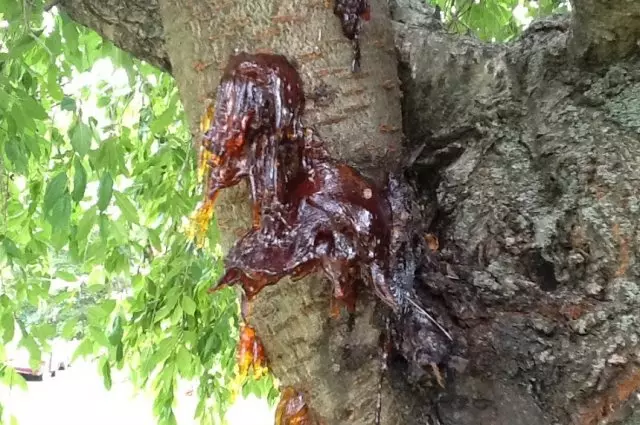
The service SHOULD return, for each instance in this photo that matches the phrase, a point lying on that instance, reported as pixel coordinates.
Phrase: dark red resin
(351, 14)
(310, 211)
(313, 213)
(293, 409)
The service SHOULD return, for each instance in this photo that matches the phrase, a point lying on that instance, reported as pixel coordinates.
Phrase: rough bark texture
(604, 31)
(531, 168)
(534, 166)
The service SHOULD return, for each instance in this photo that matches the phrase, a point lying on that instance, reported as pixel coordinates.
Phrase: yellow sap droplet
(199, 223)
(203, 163)
(260, 371)
(207, 118)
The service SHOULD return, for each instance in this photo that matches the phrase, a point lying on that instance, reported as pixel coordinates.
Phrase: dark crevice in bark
(135, 26)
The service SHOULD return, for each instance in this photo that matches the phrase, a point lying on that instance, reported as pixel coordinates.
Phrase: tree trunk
(530, 164)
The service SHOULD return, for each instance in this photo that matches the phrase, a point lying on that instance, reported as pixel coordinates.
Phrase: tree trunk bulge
(530, 162)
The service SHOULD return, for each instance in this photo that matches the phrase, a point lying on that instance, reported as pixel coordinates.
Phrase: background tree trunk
(530, 164)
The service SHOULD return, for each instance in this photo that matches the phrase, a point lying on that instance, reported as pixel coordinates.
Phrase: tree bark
(305, 351)
(133, 25)
(604, 31)
(533, 163)
(529, 163)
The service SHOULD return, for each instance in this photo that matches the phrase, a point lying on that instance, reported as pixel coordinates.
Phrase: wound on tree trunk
(310, 211)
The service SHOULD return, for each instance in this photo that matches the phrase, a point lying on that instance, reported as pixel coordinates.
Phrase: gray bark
(529, 163)
(605, 31)
(133, 25)
(538, 207)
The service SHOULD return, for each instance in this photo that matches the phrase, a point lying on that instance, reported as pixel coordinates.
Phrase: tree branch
(605, 30)
(50, 5)
(133, 25)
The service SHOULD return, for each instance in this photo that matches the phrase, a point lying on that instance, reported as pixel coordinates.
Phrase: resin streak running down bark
(351, 14)
(293, 409)
(250, 354)
(256, 93)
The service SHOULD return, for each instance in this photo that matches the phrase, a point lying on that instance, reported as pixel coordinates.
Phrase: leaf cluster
(494, 20)
(97, 177)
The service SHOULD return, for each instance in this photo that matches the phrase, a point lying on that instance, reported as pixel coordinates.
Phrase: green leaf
(183, 359)
(106, 374)
(70, 32)
(79, 180)
(154, 238)
(96, 277)
(26, 42)
(43, 331)
(10, 248)
(105, 191)
(83, 349)
(66, 276)
(188, 305)
(8, 327)
(68, 104)
(110, 156)
(12, 378)
(162, 122)
(116, 334)
(34, 350)
(61, 212)
(55, 189)
(98, 335)
(69, 328)
(96, 315)
(127, 208)
(104, 224)
(59, 216)
(80, 135)
(108, 306)
(33, 108)
(86, 224)
(54, 88)
(17, 155)
(119, 352)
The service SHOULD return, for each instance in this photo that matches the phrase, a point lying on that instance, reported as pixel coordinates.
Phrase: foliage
(97, 177)
(495, 20)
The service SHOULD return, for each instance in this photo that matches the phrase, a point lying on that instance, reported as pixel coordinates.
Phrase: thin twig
(423, 311)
